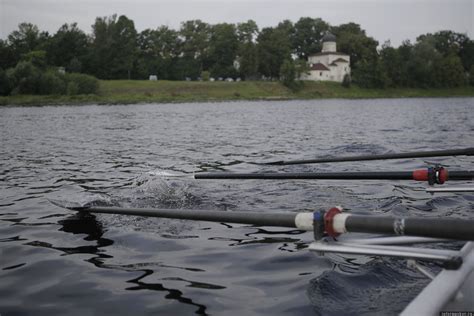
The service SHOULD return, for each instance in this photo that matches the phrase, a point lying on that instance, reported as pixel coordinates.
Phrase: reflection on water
(54, 261)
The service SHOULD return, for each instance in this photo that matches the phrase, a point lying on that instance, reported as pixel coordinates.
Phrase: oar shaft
(332, 222)
(419, 154)
(308, 176)
(451, 228)
(439, 175)
(252, 218)
(461, 175)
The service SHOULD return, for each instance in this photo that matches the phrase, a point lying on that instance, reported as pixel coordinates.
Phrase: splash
(161, 188)
(85, 201)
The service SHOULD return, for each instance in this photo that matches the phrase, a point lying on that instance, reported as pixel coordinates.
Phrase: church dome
(329, 37)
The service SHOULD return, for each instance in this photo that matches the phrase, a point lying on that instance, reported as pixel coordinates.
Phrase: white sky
(396, 20)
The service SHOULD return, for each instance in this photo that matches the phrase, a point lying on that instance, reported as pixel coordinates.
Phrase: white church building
(328, 65)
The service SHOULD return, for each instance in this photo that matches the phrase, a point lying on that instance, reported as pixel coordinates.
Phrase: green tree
(273, 49)
(366, 69)
(102, 56)
(287, 73)
(288, 28)
(352, 40)
(466, 54)
(158, 52)
(223, 50)
(8, 59)
(68, 47)
(125, 43)
(370, 75)
(247, 31)
(449, 72)
(445, 42)
(422, 63)
(308, 33)
(114, 48)
(301, 68)
(247, 52)
(37, 58)
(471, 76)
(75, 65)
(25, 39)
(448, 44)
(248, 59)
(5, 85)
(394, 65)
(404, 52)
(195, 36)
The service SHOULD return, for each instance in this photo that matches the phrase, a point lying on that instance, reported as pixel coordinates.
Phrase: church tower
(329, 43)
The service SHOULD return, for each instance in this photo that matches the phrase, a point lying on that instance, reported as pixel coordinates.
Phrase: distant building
(328, 65)
(153, 78)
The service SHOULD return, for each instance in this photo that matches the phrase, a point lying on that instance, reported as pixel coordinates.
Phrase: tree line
(116, 50)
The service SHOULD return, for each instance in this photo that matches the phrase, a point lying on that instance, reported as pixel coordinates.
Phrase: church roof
(329, 53)
(329, 37)
(319, 66)
(340, 60)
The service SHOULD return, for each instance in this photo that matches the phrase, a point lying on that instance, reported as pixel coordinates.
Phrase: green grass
(141, 91)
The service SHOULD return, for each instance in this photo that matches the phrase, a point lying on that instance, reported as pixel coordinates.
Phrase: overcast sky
(394, 20)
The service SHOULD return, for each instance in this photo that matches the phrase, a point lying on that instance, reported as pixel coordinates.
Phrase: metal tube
(444, 287)
(446, 256)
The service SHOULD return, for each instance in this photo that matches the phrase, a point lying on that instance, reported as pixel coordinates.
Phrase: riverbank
(135, 91)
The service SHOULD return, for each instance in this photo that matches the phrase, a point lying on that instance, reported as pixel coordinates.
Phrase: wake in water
(153, 189)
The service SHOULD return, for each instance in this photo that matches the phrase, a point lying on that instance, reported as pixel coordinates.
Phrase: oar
(450, 190)
(415, 154)
(332, 222)
(431, 175)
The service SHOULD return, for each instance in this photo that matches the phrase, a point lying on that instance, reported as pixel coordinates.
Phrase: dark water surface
(56, 262)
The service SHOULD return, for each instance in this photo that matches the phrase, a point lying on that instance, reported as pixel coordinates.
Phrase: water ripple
(59, 262)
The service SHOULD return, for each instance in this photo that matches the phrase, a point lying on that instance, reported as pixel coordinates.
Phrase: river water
(56, 262)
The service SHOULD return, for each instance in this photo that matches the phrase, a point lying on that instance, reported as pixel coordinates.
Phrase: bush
(288, 76)
(36, 57)
(52, 83)
(205, 75)
(25, 78)
(287, 72)
(471, 76)
(72, 88)
(5, 84)
(346, 81)
(85, 84)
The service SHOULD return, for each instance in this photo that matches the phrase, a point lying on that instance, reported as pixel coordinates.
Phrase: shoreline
(115, 92)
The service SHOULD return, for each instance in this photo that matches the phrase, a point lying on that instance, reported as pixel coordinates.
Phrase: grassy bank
(128, 92)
